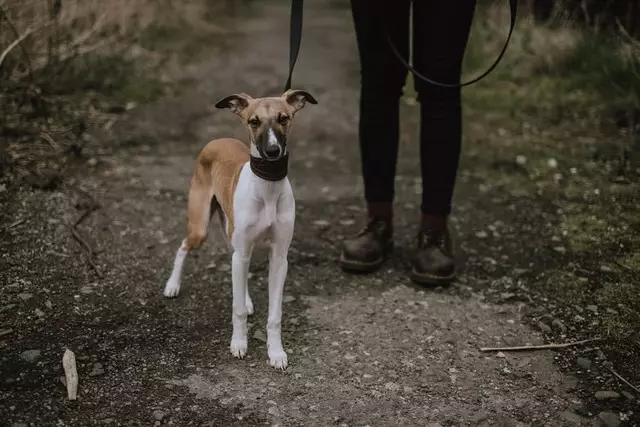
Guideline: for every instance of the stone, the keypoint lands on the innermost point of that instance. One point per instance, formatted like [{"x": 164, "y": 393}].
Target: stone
[
  {"x": 558, "y": 325},
  {"x": 97, "y": 370},
  {"x": 584, "y": 363},
  {"x": 607, "y": 395},
  {"x": 260, "y": 335},
  {"x": 628, "y": 395},
  {"x": 25, "y": 296},
  {"x": 544, "y": 327},
  {"x": 158, "y": 415},
  {"x": 609, "y": 418},
  {"x": 572, "y": 417},
  {"x": 30, "y": 355}
]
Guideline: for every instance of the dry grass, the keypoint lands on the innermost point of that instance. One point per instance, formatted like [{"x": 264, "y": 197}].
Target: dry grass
[{"x": 64, "y": 63}]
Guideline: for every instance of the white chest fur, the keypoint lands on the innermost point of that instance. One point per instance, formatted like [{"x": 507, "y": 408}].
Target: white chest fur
[{"x": 259, "y": 206}]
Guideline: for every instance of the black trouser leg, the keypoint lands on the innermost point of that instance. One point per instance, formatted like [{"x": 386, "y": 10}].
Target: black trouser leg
[
  {"x": 440, "y": 34},
  {"x": 381, "y": 81}
]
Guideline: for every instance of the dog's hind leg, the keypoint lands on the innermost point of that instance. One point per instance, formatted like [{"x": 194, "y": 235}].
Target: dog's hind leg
[{"x": 202, "y": 204}]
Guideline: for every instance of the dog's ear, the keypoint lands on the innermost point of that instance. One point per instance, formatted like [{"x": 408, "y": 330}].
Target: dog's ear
[
  {"x": 235, "y": 103},
  {"x": 298, "y": 98}
]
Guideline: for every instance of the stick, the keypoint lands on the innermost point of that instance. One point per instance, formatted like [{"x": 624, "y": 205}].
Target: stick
[
  {"x": 13, "y": 44},
  {"x": 624, "y": 381},
  {"x": 15, "y": 224},
  {"x": 83, "y": 242},
  {"x": 70, "y": 374},
  {"x": 17, "y": 36},
  {"x": 538, "y": 347},
  {"x": 74, "y": 232}
]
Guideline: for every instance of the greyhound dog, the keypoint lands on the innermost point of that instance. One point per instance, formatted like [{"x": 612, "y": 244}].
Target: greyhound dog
[{"x": 248, "y": 187}]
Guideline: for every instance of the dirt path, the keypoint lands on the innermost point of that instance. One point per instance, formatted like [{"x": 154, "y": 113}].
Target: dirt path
[{"x": 363, "y": 350}]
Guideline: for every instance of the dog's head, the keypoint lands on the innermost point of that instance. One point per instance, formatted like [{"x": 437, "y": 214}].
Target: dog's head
[{"x": 268, "y": 119}]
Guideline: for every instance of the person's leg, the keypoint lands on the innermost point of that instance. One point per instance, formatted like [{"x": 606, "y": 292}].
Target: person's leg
[
  {"x": 382, "y": 78},
  {"x": 440, "y": 34}
]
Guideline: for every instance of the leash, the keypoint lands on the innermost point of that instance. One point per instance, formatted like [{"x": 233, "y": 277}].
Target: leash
[
  {"x": 295, "y": 38},
  {"x": 513, "y": 10}
]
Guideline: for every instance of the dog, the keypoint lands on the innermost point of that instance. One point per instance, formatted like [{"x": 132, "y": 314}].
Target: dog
[{"x": 248, "y": 188}]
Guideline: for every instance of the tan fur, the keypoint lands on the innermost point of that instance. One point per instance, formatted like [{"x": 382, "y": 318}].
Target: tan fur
[{"x": 217, "y": 171}]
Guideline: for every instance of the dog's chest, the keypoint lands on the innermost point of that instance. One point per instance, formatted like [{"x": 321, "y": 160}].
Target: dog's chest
[{"x": 257, "y": 207}]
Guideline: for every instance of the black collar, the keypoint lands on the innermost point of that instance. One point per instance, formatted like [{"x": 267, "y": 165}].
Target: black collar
[{"x": 270, "y": 170}]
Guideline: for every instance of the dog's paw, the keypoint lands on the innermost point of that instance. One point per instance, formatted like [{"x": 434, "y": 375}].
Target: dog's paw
[
  {"x": 278, "y": 358},
  {"x": 172, "y": 289},
  {"x": 238, "y": 348}
]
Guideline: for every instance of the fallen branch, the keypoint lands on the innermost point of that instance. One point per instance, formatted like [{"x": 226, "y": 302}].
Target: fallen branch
[
  {"x": 538, "y": 347},
  {"x": 70, "y": 374},
  {"x": 624, "y": 381}
]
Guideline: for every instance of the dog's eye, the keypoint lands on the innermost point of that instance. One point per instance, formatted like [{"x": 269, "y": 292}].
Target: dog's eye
[
  {"x": 283, "y": 119},
  {"x": 254, "y": 122}
]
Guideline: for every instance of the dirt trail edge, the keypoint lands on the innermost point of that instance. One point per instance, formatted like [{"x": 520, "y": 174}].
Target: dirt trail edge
[{"x": 363, "y": 350}]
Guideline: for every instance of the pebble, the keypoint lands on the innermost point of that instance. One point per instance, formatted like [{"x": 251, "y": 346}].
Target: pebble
[
  {"x": 288, "y": 298},
  {"x": 260, "y": 335},
  {"x": 572, "y": 417},
  {"x": 607, "y": 395},
  {"x": 544, "y": 327},
  {"x": 30, "y": 355},
  {"x": 97, "y": 370},
  {"x": 628, "y": 395},
  {"x": 24, "y": 296},
  {"x": 552, "y": 163},
  {"x": 482, "y": 234},
  {"x": 39, "y": 312},
  {"x": 521, "y": 160},
  {"x": 584, "y": 363},
  {"x": 224, "y": 267},
  {"x": 158, "y": 415},
  {"x": 321, "y": 223},
  {"x": 557, "y": 324},
  {"x": 609, "y": 418}
]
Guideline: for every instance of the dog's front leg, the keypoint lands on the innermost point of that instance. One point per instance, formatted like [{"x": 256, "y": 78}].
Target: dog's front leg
[
  {"x": 239, "y": 276},
  {"x": 278, "y": 267}
]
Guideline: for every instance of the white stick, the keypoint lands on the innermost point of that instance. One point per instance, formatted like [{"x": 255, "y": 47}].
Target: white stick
[{"x": 70, "y": 373}]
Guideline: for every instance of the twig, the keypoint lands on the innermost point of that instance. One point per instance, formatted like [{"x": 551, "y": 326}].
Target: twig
[
  {"x": 83, "y": 242},
  {"x": 624, "y": 381},
  {"x": 15, "y": 224},
  {"x": 74, "y": 232},
  {"x": 635, "y": 43},
  {"x": 538, "y": 347},
  {"x": 17, "y": 36},
  {"x": 15, "y": 43}
]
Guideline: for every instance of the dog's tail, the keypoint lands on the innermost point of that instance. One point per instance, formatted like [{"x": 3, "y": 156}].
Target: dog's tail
[{"x": 202, "y": 206}]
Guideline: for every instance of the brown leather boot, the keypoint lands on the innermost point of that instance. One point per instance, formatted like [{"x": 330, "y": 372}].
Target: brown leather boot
[
  {"x": 433, "y": 263},
  {"x": 366, "y": 251}
]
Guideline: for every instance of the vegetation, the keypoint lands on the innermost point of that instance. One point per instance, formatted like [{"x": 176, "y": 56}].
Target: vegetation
[{"x": 67, "y": 65}]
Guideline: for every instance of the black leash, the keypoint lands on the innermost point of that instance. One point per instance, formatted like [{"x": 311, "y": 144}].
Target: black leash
[
  {"x": 513, "y": 6},
  {"x": 295, "y": 37}
]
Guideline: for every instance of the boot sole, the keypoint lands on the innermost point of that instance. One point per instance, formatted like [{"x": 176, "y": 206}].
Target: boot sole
[
  {"x": 431, "y": 279},
  {"x": 353, "y": 266}
]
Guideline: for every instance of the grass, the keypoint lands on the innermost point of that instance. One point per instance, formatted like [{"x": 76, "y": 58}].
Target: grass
[
  {"x": 565, "y": 95},
  {"x": 74, "y": 68}
]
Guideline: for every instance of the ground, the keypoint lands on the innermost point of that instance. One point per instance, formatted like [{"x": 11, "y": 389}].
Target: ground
[{"x": 363, "y": 350}]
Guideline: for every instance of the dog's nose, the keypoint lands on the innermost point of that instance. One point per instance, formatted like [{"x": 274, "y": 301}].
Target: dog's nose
[{"x": 272, "y": 151}]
